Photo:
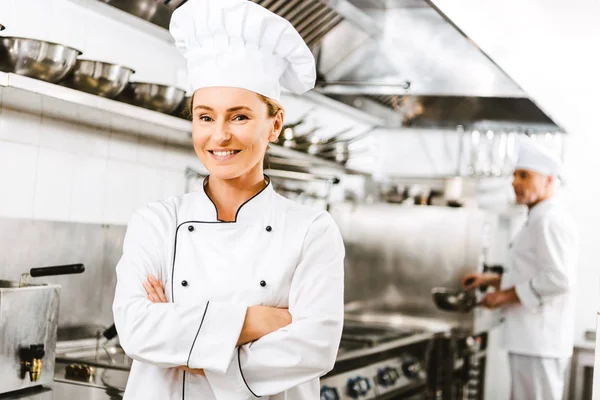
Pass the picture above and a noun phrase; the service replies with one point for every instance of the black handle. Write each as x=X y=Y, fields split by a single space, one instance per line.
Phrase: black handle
x=110 y=333
x=57 y=270
x=496 y=269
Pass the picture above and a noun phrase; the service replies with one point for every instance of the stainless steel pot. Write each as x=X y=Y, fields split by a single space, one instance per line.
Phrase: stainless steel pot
x=29 y=320
x=99 y=78
x=38 y=59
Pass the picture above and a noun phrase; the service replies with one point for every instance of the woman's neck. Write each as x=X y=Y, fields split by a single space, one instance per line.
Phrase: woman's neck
x=229 y=194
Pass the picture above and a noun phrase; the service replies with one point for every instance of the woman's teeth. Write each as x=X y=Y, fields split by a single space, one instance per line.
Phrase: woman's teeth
x=224 y=153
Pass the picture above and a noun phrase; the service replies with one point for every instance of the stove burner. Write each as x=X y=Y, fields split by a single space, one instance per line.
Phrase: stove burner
x=359 y=336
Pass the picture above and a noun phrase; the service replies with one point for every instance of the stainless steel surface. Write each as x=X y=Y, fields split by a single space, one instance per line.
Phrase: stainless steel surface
x=99 y=78
x=72 y=391
x=376 y=360
x=581 y=375
x=28 y=316
x=153 y=96
x=407 y=251
x=541 y=54
x=150 y=10
x=427 y=51
x=313 y=19
x=94 y=353
x=149 y=124
x=85 y=298
x=37 y=59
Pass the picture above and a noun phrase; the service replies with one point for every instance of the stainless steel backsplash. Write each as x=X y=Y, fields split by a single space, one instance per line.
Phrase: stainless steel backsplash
x=85 y=298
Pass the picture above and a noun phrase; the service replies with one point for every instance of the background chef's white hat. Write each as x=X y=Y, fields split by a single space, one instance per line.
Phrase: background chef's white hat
x=534 y=157
x=237 y=43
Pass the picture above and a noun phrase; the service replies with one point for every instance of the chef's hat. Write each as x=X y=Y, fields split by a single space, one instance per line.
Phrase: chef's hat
x=237 y=43
x=534 y=157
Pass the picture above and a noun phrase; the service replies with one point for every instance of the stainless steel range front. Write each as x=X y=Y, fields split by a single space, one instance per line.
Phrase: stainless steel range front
x=379 y=362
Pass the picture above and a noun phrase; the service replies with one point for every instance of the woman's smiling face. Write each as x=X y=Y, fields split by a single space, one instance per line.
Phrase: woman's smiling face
x=231 y=129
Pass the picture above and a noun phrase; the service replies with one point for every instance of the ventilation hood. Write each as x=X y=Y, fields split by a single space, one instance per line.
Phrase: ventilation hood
x=397 y=47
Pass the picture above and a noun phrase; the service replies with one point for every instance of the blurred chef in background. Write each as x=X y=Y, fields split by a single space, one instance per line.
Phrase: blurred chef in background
x=536 y=292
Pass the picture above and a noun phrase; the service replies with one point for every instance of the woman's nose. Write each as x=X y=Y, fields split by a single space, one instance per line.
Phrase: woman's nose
x=221 y=133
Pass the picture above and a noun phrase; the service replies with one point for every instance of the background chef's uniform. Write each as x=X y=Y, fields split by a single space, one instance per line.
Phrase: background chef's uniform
x=538 y=332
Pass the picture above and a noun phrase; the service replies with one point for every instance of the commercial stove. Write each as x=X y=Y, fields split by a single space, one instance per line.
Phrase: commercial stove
x=377 y=361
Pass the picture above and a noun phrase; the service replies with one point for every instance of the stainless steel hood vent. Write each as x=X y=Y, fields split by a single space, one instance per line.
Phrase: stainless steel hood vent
x=383 y=46
x=312 y=18
x=450 y=111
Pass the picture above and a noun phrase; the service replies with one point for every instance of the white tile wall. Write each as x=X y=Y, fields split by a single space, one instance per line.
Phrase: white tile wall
x=53 y=184
x=89 y=189
x=17 y=179
x=19 y=127
x=57 y=170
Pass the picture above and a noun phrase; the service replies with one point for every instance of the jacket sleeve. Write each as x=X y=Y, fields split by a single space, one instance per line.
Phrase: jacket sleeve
x=555 y=248
x=168 y=334
x=307 y=348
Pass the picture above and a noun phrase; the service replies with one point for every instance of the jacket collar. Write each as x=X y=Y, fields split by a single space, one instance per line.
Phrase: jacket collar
x=254 y=208
x=543 y=207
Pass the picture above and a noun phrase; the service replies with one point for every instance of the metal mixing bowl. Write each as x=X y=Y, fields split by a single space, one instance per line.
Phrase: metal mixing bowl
x=100 y=78
x=153 y=96
x=36 y=58
x=154 y=11
x=183 y=110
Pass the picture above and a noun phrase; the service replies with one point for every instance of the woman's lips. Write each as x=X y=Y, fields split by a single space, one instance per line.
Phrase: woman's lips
x=223 y=155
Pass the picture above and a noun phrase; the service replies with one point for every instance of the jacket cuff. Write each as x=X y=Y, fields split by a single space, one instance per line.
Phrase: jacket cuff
x=217 y=336
x=232 y=383
x=529 y=298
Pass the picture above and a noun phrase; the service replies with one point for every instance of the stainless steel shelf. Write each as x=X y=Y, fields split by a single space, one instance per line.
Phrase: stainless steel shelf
x=76 y=97
x=55 y=101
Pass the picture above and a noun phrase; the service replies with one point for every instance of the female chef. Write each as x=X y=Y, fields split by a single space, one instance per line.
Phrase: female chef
x=207 y=278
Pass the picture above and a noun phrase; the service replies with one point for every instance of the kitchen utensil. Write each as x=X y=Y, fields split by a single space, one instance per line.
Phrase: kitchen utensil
x=29 y=321
x=183 y=110
x=459 y=300
x=99 y=78
x=161 y=98
x=150 y=10
x=38 y=59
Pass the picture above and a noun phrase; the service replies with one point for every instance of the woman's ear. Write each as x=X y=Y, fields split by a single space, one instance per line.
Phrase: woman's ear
x=277 y=126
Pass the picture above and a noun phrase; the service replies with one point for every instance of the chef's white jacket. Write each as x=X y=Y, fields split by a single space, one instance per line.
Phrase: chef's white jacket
x=277 y=253
x=543 y=262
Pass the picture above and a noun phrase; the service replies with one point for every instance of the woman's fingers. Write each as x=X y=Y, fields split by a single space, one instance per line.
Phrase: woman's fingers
x=155 y=290
x=152 y=296
x=158 y=288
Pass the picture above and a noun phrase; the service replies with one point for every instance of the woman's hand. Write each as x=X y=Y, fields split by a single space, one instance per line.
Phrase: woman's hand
x=156 y=294
x=155 y=290
x=193 y=371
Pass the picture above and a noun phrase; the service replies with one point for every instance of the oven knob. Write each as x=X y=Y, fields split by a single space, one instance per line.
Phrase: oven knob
x=357 y=387
x=412 y=369
x=328 y=393
x=387 y=376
